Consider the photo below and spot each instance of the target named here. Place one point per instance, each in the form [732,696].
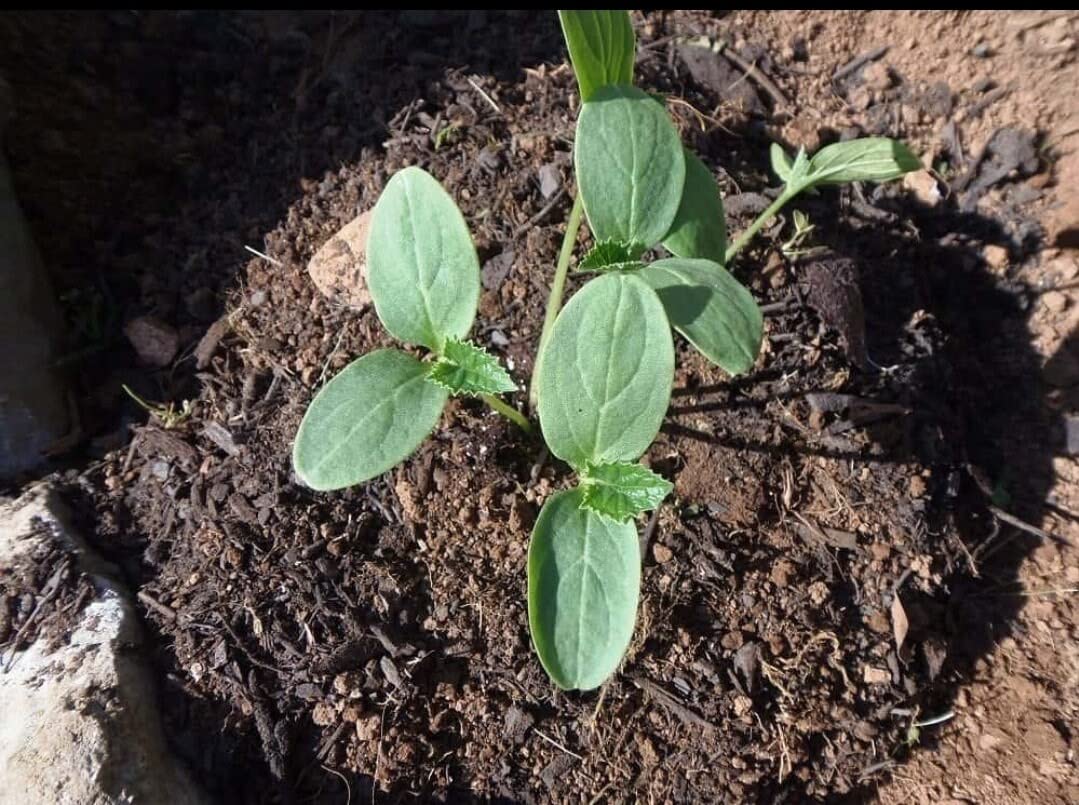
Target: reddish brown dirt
[374,642]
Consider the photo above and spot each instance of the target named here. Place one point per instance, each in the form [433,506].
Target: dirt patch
[829,573]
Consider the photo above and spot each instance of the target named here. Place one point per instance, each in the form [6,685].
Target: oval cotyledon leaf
[371,416]
[422,268]
[700,228]
[584,575]
[606,373]
[713,310]
[630,167]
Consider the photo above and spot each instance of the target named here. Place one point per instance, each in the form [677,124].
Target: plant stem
[508,411]
[558,286]
[755,227]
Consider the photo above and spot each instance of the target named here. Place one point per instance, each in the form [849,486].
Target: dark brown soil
[374,642]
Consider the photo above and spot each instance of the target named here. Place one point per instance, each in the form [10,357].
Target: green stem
[558,286]
[508,411]
[755,227]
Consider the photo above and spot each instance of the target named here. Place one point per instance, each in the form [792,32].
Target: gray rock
[80,722]
[33,410]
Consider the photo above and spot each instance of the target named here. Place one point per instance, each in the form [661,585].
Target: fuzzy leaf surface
[601,46]
[622,490]
[629,164]
[371,416]
[606,373]
[713,310]
[782,164]
[700,228]
[869,159]
[610,255]
[422,268]
[464,368]
[584,577]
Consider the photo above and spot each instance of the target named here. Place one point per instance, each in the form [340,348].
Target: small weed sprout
[605,362]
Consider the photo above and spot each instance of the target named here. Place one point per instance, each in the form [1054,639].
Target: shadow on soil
[135,130]
[982,416]
[161,123]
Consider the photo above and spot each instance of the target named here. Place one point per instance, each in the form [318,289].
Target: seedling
[165,412]
[424,278]
[802,230]
[605,363]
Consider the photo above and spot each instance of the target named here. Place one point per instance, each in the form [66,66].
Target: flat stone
[1055,301]
[155,341]
[876,676]
[995,256]
[339,268]
[877,75]
[80,721]
[923,186]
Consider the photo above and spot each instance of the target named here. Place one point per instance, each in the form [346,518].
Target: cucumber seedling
[424,279]
[605,362]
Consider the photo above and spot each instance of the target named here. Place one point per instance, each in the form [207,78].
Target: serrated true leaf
[870,159]
[422,268]
[606,373]
[622,490]
[601,46]
[584,576]
[629,164]
[464,368]
[781,162]
[611,255]
[371,416]
[713,310]
[700,228]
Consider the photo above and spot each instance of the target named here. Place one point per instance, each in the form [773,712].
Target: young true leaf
[606,373]
[782,164]
[630,168]
[371,416]
[601,45]
[422,268]
[699,228]
[622,490]
[584,574]
[464,368]
[610,255]
[715,312]
[870,159]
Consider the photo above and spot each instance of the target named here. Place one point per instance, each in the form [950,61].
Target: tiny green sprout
[166,412]
[447,135]
[792,247]
[424,279]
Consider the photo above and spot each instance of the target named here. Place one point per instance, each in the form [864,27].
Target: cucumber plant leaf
[713,310]
[606,373]
[699,229]
[371,416]
[464,368]
[782,164]
[611,255]
[584,576]
[422,268]
[601,45]
[869,159]
[629,164]
[622,490]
